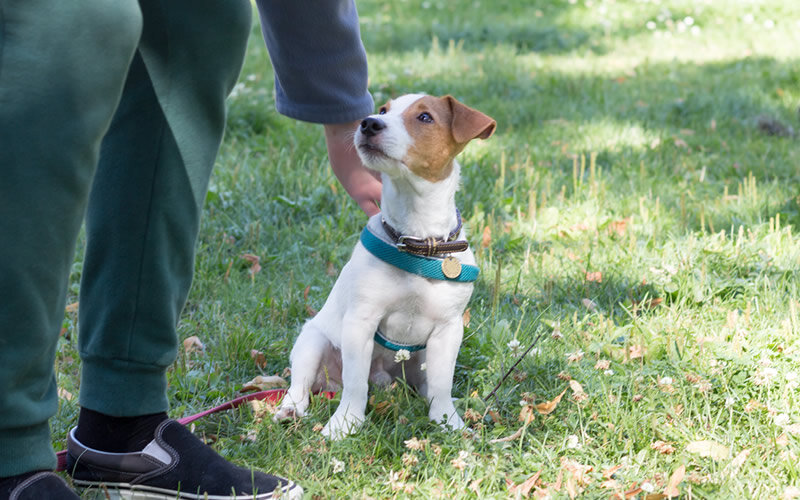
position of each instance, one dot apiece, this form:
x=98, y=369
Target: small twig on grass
x=503, y=379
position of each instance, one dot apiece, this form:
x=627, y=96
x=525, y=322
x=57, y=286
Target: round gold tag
x=451, y=267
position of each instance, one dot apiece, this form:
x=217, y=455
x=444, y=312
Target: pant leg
x=147, y=196
x=62, y=67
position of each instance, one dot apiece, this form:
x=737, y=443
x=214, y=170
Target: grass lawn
x=638, y=211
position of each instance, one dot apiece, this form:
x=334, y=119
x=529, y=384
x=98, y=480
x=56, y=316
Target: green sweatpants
x=118, y=105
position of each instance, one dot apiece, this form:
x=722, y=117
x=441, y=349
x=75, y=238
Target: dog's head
x=419, y=134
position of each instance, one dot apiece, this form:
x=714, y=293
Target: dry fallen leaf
x=65, y=394
x=782, y=440
x=596, y=276
x=635, y=351
x=72, y=307
x=708, y=448
x=675, y=479
x=608, y=473
x=602, y=364
x=486, y=238
x=663, y=448
x=548, y=407
x=259, y=358
x=589, y=304
x=524, y=488
x=733, y=467
x=263, y=382
x=193, y=344
x=254, y=260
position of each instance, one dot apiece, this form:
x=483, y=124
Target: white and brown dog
x=410, y=276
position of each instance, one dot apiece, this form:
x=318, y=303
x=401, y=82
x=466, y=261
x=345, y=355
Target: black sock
x=116, y=434
x=9, y=483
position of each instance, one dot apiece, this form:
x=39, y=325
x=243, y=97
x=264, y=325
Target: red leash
x=273, y=396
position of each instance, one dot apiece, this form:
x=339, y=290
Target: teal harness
x=426, y=267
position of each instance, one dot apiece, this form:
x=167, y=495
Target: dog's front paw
x=342, y=425
x=448, y=419
x=289, y=410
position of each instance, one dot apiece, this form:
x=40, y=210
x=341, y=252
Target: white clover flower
x=689, y=20
x=781, y=419
x=665, y=381
x=729, y=401
x=609, y=372
x=338, y=465
x=651, y=25
x=423, y=367
x=647, y=486
x=513, y=345
x=534, y=352
x=748, y=18
x=769, y=24
x=402, y=355
x=572, y=441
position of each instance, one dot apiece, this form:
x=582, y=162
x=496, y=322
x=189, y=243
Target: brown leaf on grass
x=259, y=358
x=193, y=344
x=632, y=491
x=609, y=473
x=305, y=292
x=708, y=448
x=310, y=311
x=524, y=488
x=635, y=351
x=782, y=440
x=262, y=408
x=602, y=364
x=495, y=416
x=675, y=479
x=680, y=143
x=663, y=448
x=619, y=227
x=596, y=276
x=733, y=467
x=255, y=263
x=486, y=238
x=263, y=382
x=548, y=407
x=382, y=407
x=475, y=484
x=577, y=391
x=577, y=470
x=65, y=394
x=72, y=307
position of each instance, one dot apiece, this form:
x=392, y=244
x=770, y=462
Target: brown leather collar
x=428, y=247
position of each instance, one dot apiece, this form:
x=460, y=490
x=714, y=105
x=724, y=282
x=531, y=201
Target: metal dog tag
x=451, y=267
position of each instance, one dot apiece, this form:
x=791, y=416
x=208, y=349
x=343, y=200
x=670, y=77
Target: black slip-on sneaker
x=174, y=465
x=38, y=486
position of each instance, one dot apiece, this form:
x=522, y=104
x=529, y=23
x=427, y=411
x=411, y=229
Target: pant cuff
x=123, y=388
x=25, y=450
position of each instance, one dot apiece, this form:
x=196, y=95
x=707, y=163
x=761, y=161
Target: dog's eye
x=382, y=111
x=425, y=117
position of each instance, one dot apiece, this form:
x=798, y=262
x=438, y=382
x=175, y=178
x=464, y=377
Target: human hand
x=363, y=185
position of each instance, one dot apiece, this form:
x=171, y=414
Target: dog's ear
x=469, y=123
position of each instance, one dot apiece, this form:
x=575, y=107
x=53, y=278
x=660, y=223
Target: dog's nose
x=371, y=126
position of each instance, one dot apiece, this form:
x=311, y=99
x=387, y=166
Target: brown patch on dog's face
x=439, y=128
